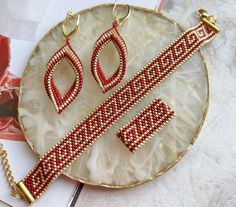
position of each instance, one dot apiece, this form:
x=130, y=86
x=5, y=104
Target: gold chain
x=8, y=172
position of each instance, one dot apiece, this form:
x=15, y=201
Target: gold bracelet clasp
x=24, y=192
x=209, y=20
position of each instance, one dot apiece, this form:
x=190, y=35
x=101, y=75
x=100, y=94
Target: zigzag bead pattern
x=149, y=121
x=82, y=136
x=66, y=52
x=111, y=35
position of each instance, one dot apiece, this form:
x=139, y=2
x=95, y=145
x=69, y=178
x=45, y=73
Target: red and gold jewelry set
x=138, y=130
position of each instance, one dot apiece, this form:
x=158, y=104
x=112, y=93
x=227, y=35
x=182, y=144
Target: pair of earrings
x=67, y=52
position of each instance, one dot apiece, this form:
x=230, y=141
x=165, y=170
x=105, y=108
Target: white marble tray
x=108, y=162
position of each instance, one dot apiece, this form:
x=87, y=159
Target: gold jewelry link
x=8, y=172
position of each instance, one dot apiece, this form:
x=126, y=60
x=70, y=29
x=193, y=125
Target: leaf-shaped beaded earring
x=111, y=35
x=67, y=53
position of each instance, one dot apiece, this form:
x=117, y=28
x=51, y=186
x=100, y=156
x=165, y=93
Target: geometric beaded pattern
x=149, y=121
x=111, y=35
x=66, y=52
x=83, y=135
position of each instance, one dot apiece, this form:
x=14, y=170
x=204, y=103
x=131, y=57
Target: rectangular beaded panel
x=149, y=121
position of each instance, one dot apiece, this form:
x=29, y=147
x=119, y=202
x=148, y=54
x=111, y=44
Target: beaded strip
x=82, y=136
x=66, y=52
x=111, y=35
x=143, y=126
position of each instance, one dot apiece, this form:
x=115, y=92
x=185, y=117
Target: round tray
x=108, y=162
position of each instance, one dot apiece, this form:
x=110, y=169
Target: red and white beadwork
x=149, y=121
x=66, y=52
x=82, y=136
x=111, y=35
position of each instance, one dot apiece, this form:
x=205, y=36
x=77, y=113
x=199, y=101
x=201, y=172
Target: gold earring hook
x=121, y=20
x=69, y=16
